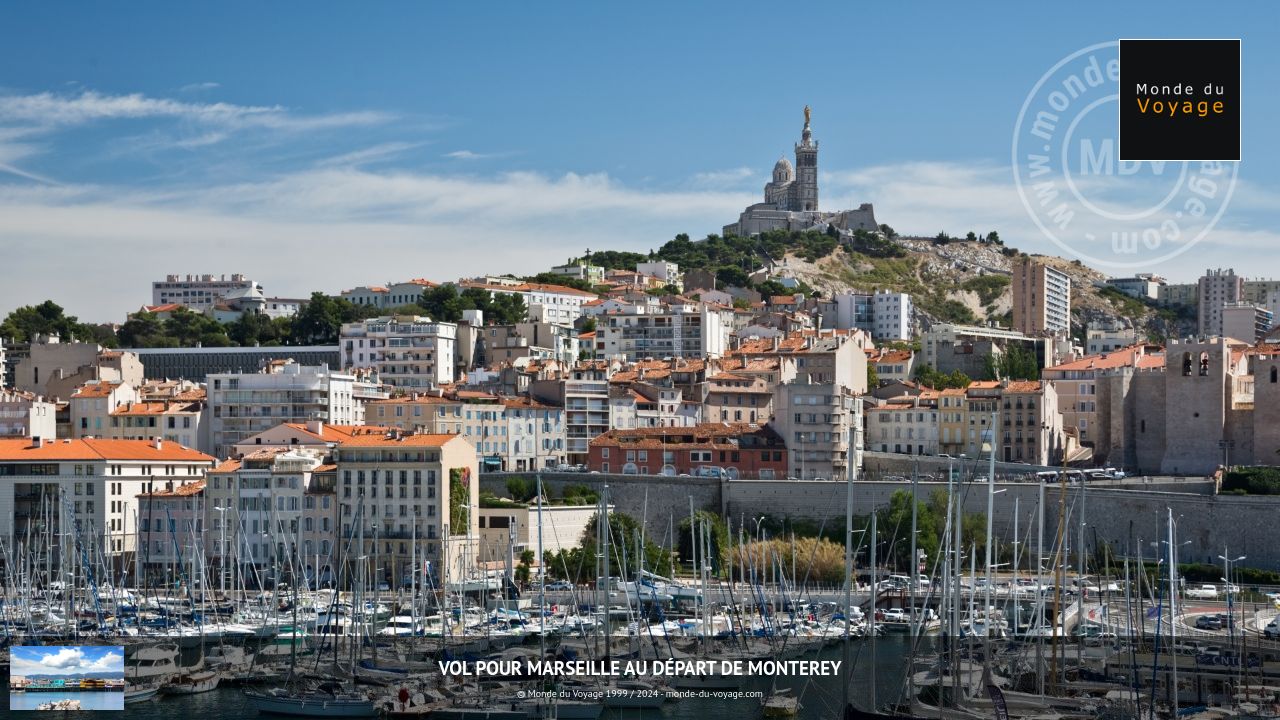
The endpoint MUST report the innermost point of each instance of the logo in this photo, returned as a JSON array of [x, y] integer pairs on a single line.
[[1107, 211]]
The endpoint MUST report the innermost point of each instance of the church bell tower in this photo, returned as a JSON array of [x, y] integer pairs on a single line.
[[806, 183]]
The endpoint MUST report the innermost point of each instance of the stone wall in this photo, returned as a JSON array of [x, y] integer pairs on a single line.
[[1127, 516]]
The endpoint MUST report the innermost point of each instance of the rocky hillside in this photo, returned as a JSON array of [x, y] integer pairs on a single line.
[[968, 282]]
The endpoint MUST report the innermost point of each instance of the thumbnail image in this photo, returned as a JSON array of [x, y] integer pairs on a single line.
[[88, 677]]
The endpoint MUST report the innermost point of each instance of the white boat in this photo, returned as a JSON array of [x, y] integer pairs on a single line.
[[192, 683], [138, 693], [151, 661], [318, 703]]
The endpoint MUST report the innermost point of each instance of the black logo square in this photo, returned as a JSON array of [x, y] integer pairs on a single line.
[[1180, 100]]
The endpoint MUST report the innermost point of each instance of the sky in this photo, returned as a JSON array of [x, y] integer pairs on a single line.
[[323, 146], [47, 660]]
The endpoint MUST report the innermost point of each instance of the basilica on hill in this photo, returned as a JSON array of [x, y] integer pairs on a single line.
[[791, 198]]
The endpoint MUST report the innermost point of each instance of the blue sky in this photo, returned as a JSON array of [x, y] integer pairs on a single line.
[[49, 660], [323, 146]]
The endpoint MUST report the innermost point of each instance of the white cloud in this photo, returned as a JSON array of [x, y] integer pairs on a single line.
[[197, 87], [469, 155], [365, 156], [64, 660], [733, 179]]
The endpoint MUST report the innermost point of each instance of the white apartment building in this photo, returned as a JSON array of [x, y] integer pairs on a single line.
[[906, 425], [584, 395], [508, 531], [198, 292], [1101, 338], [24, 414], [692, 330], [405, 351], [245, 404], [891, 313], [667, 272], [92, 482], [255, 511], [508, 433], [388, 296]]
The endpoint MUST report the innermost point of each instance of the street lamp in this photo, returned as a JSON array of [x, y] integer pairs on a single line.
[[1226, 579]]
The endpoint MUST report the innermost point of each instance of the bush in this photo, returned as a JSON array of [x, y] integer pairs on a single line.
[[1252, 481]]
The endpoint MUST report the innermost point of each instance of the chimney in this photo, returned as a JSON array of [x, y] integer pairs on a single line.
[[775, 343], [37, 441], [315, 427], [157, 443]]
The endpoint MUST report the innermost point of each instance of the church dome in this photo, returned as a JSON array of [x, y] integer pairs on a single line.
[[782, 171]]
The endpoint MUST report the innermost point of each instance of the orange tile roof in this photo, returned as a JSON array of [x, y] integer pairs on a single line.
[[227, 466], [166, 307], [324, 468], [98, 449], [153, 408], [95, 390], [183, 490], [397, 440], [894, 356], [340, 433], [1124, 357], [984, 384], [1023, 386]]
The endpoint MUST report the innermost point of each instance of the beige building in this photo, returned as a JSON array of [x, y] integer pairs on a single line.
[[506, 532], [55, 369], [1041, 298], [738, 398], [1030, 424], [1077, 384], [817, 422], [393, 486]]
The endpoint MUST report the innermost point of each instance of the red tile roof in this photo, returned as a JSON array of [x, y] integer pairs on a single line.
[[183, 490]]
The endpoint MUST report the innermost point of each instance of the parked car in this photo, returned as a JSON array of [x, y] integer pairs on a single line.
[[1208, 622], [1272, 630], [895, 615], [559, 585]]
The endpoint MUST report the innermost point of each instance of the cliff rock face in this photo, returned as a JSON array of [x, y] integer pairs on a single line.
[[968, 282]]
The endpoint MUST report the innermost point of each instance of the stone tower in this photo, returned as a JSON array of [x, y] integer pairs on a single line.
[[805, 188]]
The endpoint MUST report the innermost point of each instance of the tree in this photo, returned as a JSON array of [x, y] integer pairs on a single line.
[[188, 328], [895, 522], [1015, 363], [993, 237], [442, 303], [578, 564], [550, 278], [888, 231], [873, 377], [320, 322], [926, 375], [719, 540], [588, 325], [47, 318], [971, 236], [141, 330], [521, 488], [773, 288]]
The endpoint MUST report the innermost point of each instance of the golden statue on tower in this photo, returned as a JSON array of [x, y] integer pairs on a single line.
[[806, 114]]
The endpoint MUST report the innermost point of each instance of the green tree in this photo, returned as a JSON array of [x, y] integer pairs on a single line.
[[873, 377], [459, 500], [141, 330], [894, 527], [47, 318], [719, 540], [320, 321], [1015, 363], [521, 488], [189, 328]]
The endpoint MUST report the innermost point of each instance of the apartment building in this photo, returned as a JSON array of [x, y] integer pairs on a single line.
[[732, 450], [1030, 428], [393, 487], [171, 533], [907, 424], [584, 394], [690, 330], [1215, 290], [255, 513], [1041, 298], [819, 356], [508, 433], [55, 369], [1245, 321], [405, 351], [92, 485], [506, 532], [198, 292], [737, 398], [24, 414], [1076, 385], [391, 295], [242, 405], [817, 421]]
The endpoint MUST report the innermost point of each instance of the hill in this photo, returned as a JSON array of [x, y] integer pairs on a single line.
[[960, 280]]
